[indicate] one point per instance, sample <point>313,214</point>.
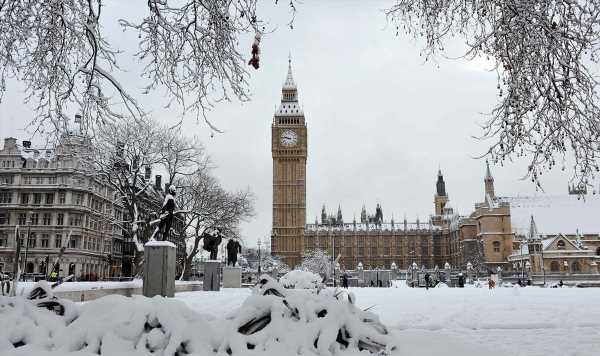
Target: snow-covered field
<point>439,321</point>
<point>469,321</point>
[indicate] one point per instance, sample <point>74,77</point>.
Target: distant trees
<point>545,55</point>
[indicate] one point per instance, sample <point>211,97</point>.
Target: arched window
<point>576,267</point>
<point>496,245</point>
<point>560,245</point>
<point>554,266</point>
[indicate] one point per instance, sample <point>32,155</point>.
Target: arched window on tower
<point>496,245</point>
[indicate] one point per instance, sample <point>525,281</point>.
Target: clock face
<point>288,138</point>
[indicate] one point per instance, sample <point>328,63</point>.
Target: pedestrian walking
<point>427,278</point>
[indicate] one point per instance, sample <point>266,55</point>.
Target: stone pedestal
<point>212,278</point>
<point>232,277</point>
<point>159,269</point>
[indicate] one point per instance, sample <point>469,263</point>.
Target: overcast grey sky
<point>380,120</point>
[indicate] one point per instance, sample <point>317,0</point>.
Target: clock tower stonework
<point>288,147</point>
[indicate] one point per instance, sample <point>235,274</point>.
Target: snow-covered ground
<point>470,321</point>
<point>439,321</point>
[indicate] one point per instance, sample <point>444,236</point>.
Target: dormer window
<point>560,245</point>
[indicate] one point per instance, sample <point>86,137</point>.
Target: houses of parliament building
<point>373,241</point>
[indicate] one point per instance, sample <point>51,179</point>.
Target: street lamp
<point>469,268</point>
<point>27,243</point>
<point>259,243</point>
<point>414,269</point>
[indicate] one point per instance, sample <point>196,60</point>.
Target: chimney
<point>27,144</point>
<point>148,173</point>
<point>157,182</point>
<point>10,142</point>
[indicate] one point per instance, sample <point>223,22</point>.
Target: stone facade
<point>43,194</point>
<point>484,239</point>
<point>288,146</point>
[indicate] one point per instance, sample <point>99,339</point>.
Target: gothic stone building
<point>483,238</point>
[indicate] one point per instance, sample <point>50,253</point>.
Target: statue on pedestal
<point>212,239</point>
<point>233,248</point>
<point>166,215</point>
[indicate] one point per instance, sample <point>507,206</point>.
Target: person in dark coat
<point>345,281</point>
<point>166,219</point>
<point>233,248</point>
<point>520,282</point>
<point>427,278</point>
<point>461,280</point>
<point>560,283</point>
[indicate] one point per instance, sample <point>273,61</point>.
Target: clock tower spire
<point>289,151</point>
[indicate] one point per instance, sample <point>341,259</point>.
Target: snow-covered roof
<point>555,214</point>
<point>289,108</point>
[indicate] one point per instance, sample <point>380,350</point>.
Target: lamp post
<point>27,244</point>
<point>333,256</point>
<point>469,270</point>
<point>414,269</point>
<point>259,243</point>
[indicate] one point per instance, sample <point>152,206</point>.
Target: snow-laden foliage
<point>61,53</point>
<point>299,279</point>
<point>545,55</point>
<point>317,261</point>
<point>272,321</point>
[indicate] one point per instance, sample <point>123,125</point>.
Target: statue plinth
<point>212,278</point>
<point>232,277</point>
<point>159,269</point>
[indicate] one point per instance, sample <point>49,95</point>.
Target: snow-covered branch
<point>545,54</point>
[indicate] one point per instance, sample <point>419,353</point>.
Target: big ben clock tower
<point>288,146</point>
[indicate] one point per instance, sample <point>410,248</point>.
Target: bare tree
<point>120,156</point>
<point>58,50</point>
<point>179,155</point>
<point>205,204</point>
<point>544,54</point>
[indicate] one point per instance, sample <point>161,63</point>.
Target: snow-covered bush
<point>300,280</point>
<point>272,321</point>
<point>317,261</point>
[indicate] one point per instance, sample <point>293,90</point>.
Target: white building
<point>43,195</point>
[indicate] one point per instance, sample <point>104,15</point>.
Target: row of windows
<point>77,198</point>
<point>8,164</point>
<point>28,180</point>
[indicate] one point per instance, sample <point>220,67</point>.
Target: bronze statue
<point>212,239</point>
<point>233,248</point>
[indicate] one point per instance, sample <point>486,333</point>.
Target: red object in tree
<point>254,61</point>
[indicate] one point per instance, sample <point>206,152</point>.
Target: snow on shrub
<point>300,280</point>
<point>272,321</point>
